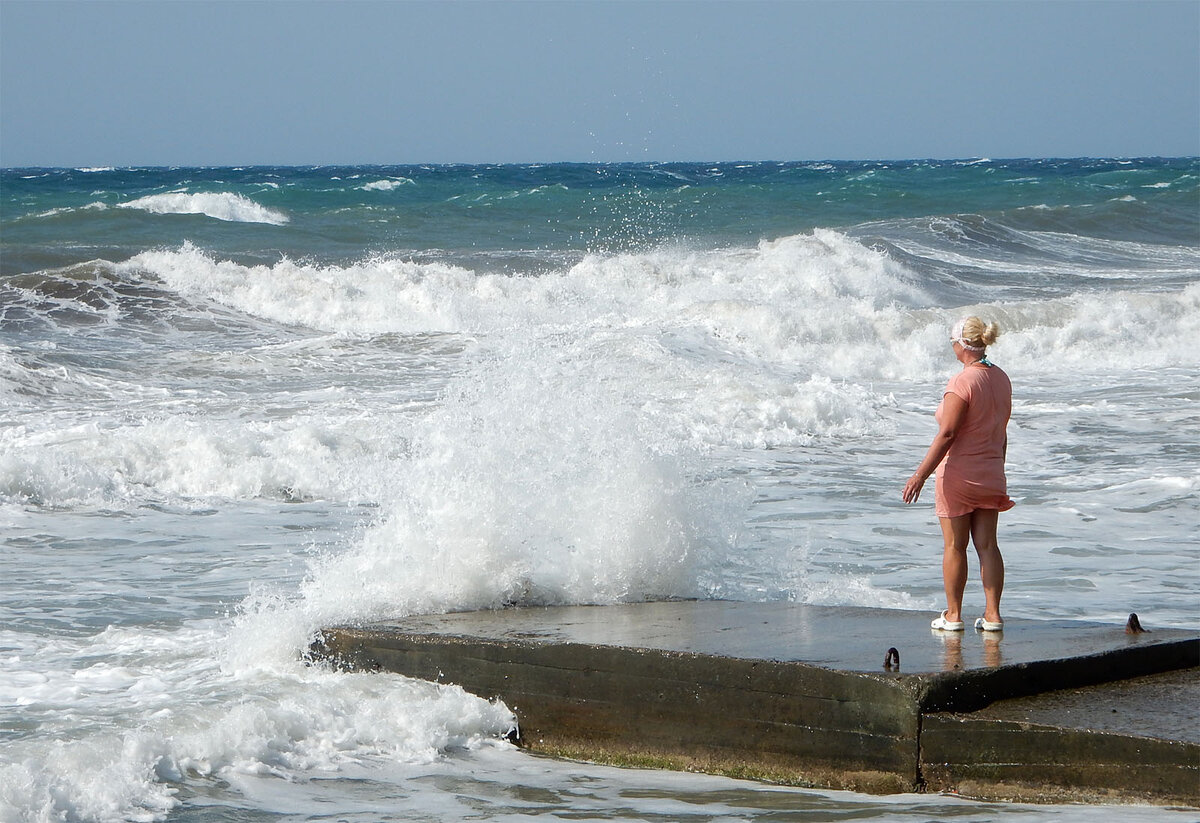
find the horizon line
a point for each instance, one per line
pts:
(964, 159)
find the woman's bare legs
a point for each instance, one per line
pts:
(991, 563)
(956, 531)
(978, 527)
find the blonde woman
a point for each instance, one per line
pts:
(971, 490)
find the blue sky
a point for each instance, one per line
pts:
(174, 82)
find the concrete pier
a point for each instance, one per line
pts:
(800, 694)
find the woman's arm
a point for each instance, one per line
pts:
(954, 409)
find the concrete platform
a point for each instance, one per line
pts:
(1132, 739)
(1164, 706)
(800, 694)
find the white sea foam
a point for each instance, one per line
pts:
(533, 482)
(180, 458)
(369, 298)
(169, 719)
(219, 205)
(26, 383)
(388, 184)
(772, 333)
(1119, 330)
(387, 295)
(94, 206)
(811, 304)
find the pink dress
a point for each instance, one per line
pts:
(971, 475)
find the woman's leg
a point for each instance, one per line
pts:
(956, 531)
(991, 563)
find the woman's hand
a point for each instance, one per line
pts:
(912, 489)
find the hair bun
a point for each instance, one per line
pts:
(975, 332)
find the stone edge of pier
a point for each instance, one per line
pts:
(801, 724)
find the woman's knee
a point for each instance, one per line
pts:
(956, 545)
(987, 550)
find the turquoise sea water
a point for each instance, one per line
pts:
(240, 404)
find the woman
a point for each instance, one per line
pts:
(971, 491)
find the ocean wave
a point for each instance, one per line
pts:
(1059, 260)
(218, 205)
(289, 720)
(384, 295)
(61, 210)
(536, 481)
(30, 381)
(74, 295)
(1122, 330)
(94, 294)
(373, 297)
(821, 303)
(389, 184)
(815, 304)
(180, 459)
(734, 408)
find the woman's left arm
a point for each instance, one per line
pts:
(954, 410)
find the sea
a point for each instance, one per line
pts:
(238, 405)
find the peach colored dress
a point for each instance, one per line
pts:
(971, 475)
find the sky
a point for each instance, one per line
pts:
(183, 82)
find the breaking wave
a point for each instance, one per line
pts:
(218, 205)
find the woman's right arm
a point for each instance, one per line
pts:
(954, 411)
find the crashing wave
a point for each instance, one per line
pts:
(219, 205)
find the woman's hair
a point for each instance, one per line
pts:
(978, 333)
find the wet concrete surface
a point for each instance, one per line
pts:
(1165, 706)
(844, 638)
